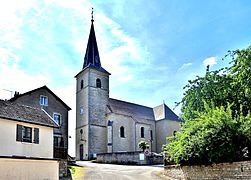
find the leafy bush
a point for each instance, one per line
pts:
(143, 145)
(212, 136)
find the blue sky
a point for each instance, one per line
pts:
(152, 48)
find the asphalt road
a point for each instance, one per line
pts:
(97, 171)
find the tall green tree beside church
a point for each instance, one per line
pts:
(213, 136)
(229, 85)
(216, 110)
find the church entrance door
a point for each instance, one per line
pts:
(81, 151)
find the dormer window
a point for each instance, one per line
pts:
(43, 100)
(82, 84)
(98, 83)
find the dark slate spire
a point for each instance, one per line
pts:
(92, 58)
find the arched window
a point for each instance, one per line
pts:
(142, 132)
(151, 135)
(81, 84)
(98, 83)
(122, 131)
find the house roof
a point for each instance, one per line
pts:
(18, 112)
(47, 89)
(131, 109)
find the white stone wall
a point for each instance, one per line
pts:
(165, 128)
(82, 99)
(97, 140)
(82, 140)
(148, 125)
(127, 143)
(82, 114)
(23, 169)
(132, 132)
(9, 146)
(93, 101)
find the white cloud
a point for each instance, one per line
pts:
(16, 79)
(184, 66)
(210, 61)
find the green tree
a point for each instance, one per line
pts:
(213, 136)
(229, 85)
(143, 145)
(216, 109)
(240, 71)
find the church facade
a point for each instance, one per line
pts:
(106, 125)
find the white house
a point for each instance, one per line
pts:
(26, 138)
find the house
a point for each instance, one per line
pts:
(106, 125)
(26, 138)
(44, 98)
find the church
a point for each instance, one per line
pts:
(106, 125)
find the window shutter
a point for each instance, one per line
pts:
(19, 132)
(36, 135)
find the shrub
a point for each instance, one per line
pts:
(143, 145)
(210, 137)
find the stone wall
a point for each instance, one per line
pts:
(91, 104)
(20, 168)
(165, 128)
(62, 167)
(230, 171)
(128, 158)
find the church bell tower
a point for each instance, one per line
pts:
(92, 95)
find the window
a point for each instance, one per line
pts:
(57, 118)
(81, 110)
(81, 84)
(98, 83)
(142, 132)
(43, 100)
(24, 134)
(122, 131)
(58, 141)
(27, 134)
(151, 135)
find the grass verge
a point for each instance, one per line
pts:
(77, 172)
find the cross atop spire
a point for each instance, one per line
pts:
(92, 58)
(92, 15)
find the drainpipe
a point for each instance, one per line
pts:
(135, 137)
(112, 138)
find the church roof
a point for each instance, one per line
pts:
(131, 109)
(18, 112)
(138, 111)
(92, 59)
(164, 112)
